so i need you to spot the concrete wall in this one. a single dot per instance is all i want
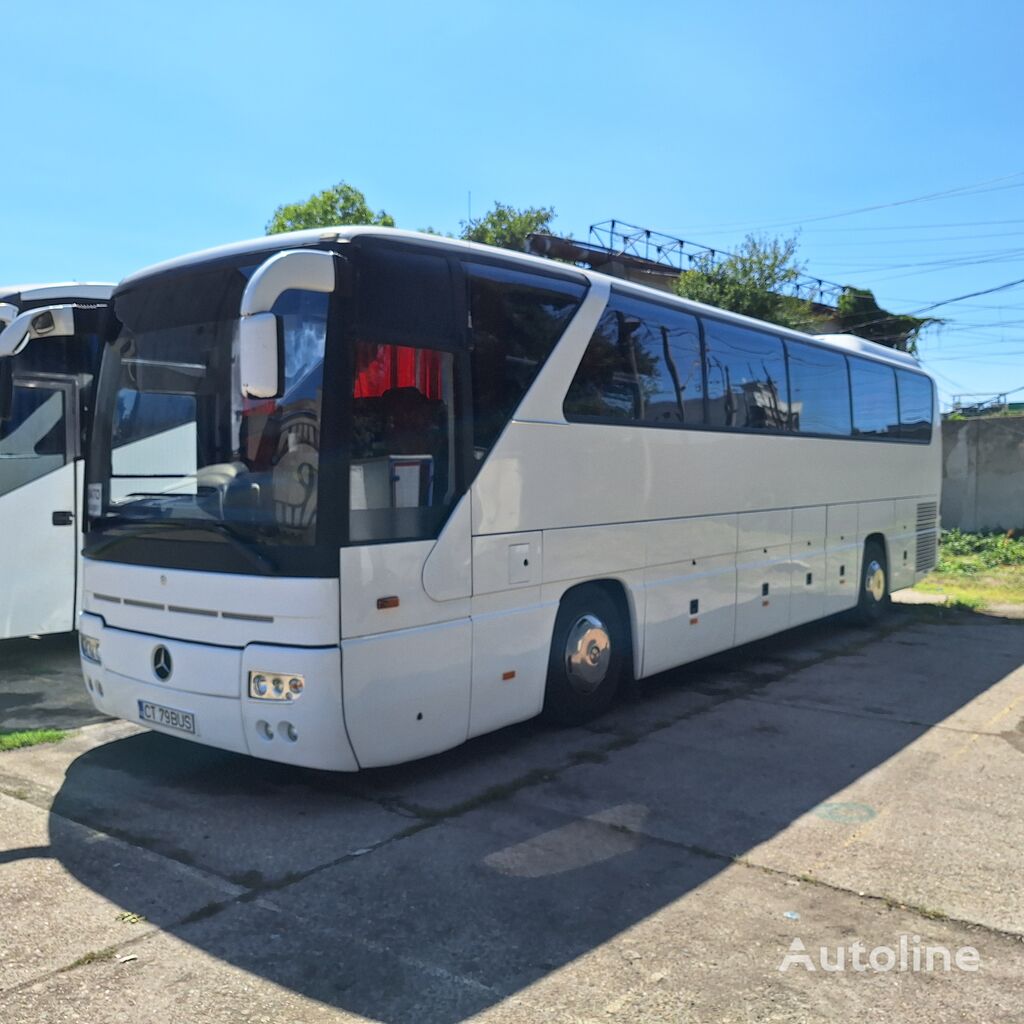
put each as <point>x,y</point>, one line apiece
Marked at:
<point>983,473</point>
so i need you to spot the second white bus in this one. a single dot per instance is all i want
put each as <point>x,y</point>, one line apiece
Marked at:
<point>405,490</point>
<point>48,365</point>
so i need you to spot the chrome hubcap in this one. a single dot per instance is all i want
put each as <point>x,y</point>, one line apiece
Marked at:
<point>588,653</point>
<point>874,580</point>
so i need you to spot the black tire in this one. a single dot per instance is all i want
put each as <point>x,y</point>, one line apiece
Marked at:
<point>589,657</point>
<point>873,599</point>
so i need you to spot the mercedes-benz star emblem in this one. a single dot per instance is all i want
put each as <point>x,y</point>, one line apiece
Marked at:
<point>162,664</point>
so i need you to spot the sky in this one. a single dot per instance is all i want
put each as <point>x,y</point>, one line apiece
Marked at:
<point>135,132</point>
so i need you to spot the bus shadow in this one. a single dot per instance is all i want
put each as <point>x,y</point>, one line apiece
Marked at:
<point>41,684</point>
<point>366,896</point>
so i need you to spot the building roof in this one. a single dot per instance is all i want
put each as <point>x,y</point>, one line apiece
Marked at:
<point>33,293</point>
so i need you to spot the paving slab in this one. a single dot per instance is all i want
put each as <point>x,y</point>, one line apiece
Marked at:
<point>714,955</point>
<point>917,676</point>
<point>938,827</point>
<point>252,822</point>
<point>489,918</point>
<point>731,778</point>
<point>51,919</point>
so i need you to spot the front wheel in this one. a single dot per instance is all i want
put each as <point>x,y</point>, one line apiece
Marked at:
<point>873,601</point>
<point>588,656</point>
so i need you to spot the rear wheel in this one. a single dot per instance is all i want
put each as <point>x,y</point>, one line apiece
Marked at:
<point>588,657</point>
<point>873,600</point>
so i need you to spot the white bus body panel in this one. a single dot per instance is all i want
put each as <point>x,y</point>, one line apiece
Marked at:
<point>213,607</point>
<point>211,683</point>
<point>407,693</point>
<point>37,559</point>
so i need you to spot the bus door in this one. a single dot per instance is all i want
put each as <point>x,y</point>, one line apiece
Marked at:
<point>39,529</point>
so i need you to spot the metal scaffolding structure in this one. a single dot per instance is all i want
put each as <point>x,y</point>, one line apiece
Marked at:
<point>629,240</point>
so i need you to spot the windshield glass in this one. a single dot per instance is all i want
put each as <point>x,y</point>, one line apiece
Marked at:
<point>176,442</point>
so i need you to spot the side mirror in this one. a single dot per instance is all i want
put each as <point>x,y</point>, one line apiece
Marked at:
<point>259,330</point>
<point>48,322</point>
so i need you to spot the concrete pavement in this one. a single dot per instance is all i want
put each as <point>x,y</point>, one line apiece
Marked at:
<point>832,785</point>
<point>41,684</point>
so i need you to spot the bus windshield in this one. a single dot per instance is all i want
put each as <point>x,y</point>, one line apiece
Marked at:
<point>175,441</point>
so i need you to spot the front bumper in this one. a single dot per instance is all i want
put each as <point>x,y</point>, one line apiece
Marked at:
<point>211,683</point>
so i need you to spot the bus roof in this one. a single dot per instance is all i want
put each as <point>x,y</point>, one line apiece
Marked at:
<point>318,236</point>
<point>17,294</point>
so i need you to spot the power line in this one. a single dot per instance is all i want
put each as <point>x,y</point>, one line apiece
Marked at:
<point>975,188</point>
<point>865,244</point>
<point>922,227</point>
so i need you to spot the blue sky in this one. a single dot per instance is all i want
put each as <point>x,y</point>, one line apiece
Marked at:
<point>136,132</point>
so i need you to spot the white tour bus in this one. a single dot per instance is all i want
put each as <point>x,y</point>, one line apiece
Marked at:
<point>401,491</point>
<point>47,373</point>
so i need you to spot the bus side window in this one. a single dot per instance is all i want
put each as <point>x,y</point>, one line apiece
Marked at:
<point>820,395</point>
<point>873,388</point>
<point>915,394</point>
<point>515,320</point>
<point>643,365</point>
<point>746,374</point>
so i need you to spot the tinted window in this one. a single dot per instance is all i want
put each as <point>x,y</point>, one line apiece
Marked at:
<point>915,394</point>
<point>404,298</point>
<point>873,386</point>
<point>642,365</point>
<point>746,373</point>
<point>32,441</point>
<point>819,390</point>
<point>401,478</point>
<point>515,319</point>
<point>77,355</point>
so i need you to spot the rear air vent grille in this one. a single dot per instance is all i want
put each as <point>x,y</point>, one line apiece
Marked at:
<point>927,521</point>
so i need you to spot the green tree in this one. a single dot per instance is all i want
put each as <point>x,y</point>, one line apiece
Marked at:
<point>342,204</point>
<point>860,314</point>
<point>507,227</point>
<point>752,281</point>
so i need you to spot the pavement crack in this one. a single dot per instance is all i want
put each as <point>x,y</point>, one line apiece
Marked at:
<point>891,902</point>
<point>867,715</point>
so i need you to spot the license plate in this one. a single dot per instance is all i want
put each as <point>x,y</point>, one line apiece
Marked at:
<point>169,718</point>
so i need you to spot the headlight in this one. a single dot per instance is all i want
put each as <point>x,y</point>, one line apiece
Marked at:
<point>276,685</point>
<point>89,647</point>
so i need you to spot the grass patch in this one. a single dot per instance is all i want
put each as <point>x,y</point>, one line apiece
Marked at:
<point>17,739</point>
<point>94,956</point>
<point>978,570</point>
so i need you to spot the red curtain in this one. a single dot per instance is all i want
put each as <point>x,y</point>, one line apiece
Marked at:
<point>382,367</point>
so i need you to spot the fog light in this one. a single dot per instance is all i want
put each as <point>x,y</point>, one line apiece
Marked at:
<point>268,686</point>
<point>89,647</point>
